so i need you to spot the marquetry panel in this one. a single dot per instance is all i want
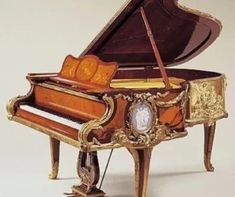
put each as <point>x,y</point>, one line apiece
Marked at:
<point>72,105</point>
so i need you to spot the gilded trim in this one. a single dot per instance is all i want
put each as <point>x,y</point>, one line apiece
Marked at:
<point>11,105</point>
<point>150,97</point>
<point>221,77</point>
<point>93,147</point>
<point>54,171</point>
<point>65,139</point>
<point>209,121</point>
<point>48,131</point>
<point>97,123</point>
<point>197,12</point>
<point>159,134</point>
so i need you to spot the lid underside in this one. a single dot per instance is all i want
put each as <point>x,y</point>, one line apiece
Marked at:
<point>179,34</point>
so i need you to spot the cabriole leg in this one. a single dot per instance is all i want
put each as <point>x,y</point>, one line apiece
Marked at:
<point>209,130</point>
<point>142,159</point>
<point>89,173</point>
<point>55,155</point>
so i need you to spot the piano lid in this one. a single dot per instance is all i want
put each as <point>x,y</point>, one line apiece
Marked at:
<point>180,34</point>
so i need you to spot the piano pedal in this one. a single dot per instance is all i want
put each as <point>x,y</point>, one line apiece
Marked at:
<point>71,194</point>
<point>75,195</point>
<point>82,191</point>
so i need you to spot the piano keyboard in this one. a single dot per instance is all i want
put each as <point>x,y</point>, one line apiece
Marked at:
<point>53,117</point>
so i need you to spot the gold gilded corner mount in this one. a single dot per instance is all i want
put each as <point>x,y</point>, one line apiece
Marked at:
<point>54,171</point>
<point>97,124</point>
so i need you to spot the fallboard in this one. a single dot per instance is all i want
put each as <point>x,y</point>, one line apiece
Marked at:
<point>77,106</point>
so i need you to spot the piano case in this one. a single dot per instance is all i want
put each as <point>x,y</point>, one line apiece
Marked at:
<point>114,95</point>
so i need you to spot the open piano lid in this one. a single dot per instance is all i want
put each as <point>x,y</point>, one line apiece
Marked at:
<point>180,34</point>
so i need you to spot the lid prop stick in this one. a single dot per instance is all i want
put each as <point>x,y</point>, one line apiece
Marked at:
<point>155,50</point>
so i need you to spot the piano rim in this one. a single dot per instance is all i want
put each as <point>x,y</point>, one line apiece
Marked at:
<point>95,147</point>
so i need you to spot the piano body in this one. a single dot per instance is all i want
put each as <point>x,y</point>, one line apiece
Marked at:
<point>114,95</point>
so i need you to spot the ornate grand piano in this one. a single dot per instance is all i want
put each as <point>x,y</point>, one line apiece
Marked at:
<point>117,93</point>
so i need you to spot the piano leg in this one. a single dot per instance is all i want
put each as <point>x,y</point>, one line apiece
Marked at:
<point>142,159</point>
<point>89,173</point>
<point>209,139</point>
<point>55,155</point>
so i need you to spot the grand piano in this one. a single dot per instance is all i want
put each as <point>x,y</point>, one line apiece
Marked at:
<point>120,92</point>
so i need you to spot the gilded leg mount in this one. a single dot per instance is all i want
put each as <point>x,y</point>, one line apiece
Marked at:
<point>209,130</point>
<point>55,154</point>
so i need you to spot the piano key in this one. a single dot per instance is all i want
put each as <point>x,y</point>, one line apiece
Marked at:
<point>53,117</point>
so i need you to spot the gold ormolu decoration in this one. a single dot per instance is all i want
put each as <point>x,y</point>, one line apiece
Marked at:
<point>158,134</point>
<point>10,107</point>
<point>97,124</point>
<point>130,138</point>
<point>11,104</point>
<point>153,98</point>
<point>54,171</point>
<point>207,104</point>
<point>207,100</point>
